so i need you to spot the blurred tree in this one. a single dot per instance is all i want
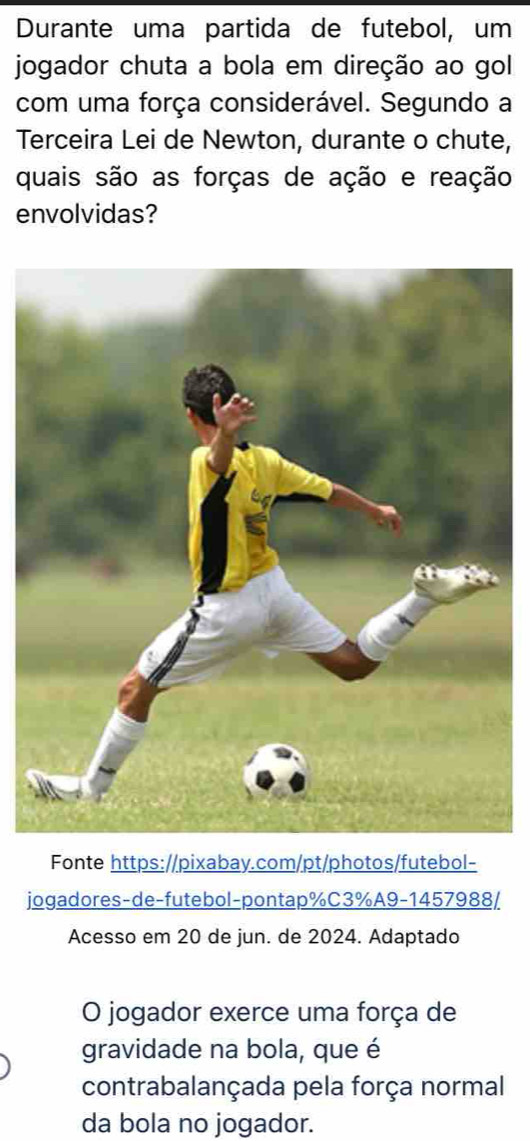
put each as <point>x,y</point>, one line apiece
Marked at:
<point>137,351</point>
<point>84,472</point>
<point>495,286</point>
<point>443,376</point>
<point>406,399</point>
<point>259,314</point>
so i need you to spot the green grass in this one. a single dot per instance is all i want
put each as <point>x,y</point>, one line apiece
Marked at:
<point>423,746</point>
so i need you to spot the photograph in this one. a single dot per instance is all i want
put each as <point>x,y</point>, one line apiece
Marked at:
<point>282,497</point>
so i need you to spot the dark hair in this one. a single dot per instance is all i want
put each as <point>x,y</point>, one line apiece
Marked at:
<point>200,386</point>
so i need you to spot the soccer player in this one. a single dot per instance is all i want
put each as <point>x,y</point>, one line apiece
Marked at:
<point>241,596</point>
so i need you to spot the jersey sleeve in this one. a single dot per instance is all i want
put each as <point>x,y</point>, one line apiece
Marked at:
<point>297,485</point>
<point>199,468</point>
<point>202,478</point>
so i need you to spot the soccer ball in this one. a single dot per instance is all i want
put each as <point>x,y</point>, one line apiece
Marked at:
<point>276,771</point>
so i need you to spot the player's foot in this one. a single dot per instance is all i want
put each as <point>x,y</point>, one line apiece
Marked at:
<point>58,787</point>
<point>451,585</point>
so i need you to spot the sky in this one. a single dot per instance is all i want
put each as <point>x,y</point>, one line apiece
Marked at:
<point>95,297</point>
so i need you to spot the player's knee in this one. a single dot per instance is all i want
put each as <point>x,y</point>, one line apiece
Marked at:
<point>344,673</point>
<point>128,692</point>
<point>356,668</point>
<point>135,696</point>
<point>350,673</point>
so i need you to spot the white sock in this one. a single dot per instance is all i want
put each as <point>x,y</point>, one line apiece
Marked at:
<point>386,630</point>
<point>119,738</point>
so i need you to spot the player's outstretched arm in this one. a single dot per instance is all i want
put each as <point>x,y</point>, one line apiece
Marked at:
<point>382,514</point>
<point>229,418</point>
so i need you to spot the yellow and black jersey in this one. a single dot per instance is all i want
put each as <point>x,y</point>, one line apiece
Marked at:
<point>229,514</point>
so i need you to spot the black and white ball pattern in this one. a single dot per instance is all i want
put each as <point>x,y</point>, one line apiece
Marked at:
<point>276,771</point>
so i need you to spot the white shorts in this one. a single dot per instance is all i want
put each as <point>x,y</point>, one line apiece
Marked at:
<point>266,614</point>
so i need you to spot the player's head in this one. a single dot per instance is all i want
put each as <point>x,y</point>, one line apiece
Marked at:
<point>199,388</point>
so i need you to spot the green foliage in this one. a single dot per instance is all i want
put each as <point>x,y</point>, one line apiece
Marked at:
<point>406,400</point>
<point>262,315</point>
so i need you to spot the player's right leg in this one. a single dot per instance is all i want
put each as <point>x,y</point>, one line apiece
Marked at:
<point>123,732</point>
<point>346,662</point>
<point>431,587</point>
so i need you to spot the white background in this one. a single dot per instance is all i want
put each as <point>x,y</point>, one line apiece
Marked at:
<point>43,982</point>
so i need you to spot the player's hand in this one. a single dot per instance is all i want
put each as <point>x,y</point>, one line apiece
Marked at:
<point>234,415</point>
<point>386,516</point>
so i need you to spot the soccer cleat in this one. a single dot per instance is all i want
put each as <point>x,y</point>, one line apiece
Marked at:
<point>446,586</point>
<point>58,787</point>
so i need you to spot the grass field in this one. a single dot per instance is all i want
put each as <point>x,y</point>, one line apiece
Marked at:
<point>423,746</point>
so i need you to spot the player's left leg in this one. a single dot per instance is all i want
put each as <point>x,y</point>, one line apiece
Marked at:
<point>431,587</point>
<point>198,646</point>
<point>122,733</point>
<point>167,655</point>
